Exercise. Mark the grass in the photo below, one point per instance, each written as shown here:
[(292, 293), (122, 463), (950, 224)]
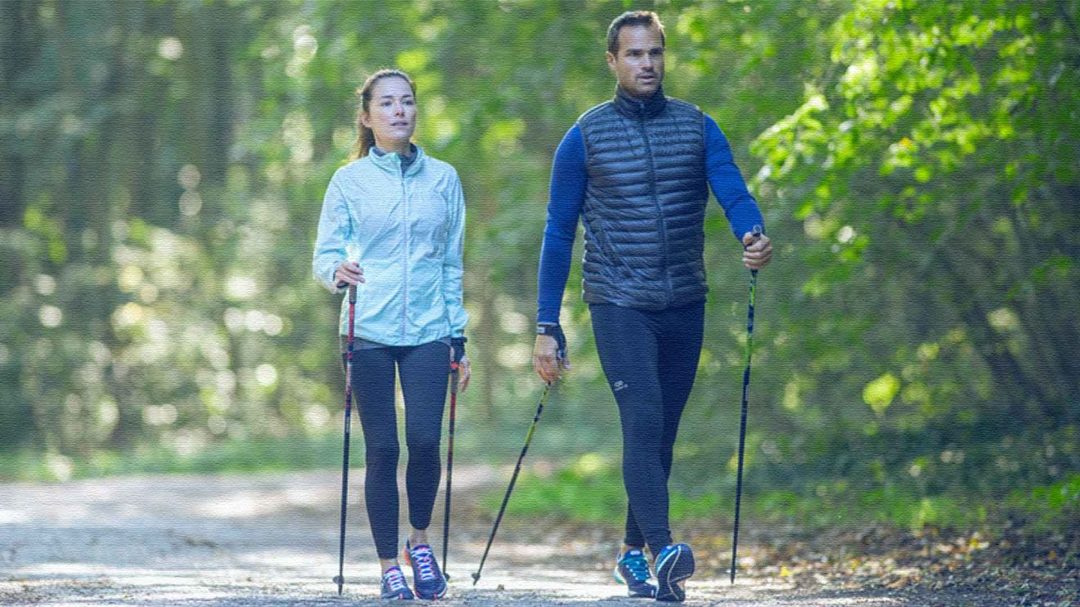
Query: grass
[(590, 489), (261, 455)]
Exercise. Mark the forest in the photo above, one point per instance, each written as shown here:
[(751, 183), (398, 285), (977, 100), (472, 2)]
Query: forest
[(917, 345)]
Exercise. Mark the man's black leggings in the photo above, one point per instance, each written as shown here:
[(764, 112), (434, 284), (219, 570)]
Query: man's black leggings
[(423, 371), (649, 359)]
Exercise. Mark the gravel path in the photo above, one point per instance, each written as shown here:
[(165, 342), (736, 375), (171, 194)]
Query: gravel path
[(271, 539)]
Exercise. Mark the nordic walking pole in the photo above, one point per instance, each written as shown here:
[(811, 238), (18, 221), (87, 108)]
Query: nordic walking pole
[(513, 479), (340, 579), (745, 393), (449, 462)]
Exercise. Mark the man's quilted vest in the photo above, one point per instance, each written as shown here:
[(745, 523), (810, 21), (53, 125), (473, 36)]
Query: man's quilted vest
[(644, 203)]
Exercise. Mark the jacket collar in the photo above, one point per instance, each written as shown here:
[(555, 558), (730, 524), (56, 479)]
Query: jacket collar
[(391, 162), (634, 107)]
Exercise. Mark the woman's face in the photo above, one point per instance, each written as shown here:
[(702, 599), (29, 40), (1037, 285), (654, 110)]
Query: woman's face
[(391, 114)]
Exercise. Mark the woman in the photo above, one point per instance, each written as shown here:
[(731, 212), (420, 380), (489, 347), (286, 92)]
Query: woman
[(400, 215)]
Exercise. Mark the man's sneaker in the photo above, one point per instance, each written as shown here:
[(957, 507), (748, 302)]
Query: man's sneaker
[(674, 565), (632, 569), (394, 586), (428, 580)]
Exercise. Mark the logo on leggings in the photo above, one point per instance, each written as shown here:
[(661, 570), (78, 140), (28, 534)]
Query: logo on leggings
[(619, 385)]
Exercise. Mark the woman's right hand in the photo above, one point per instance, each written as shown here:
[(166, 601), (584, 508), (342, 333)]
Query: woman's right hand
[(348, 273)]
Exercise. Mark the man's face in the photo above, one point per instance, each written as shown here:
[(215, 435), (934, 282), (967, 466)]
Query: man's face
[(639, 63)]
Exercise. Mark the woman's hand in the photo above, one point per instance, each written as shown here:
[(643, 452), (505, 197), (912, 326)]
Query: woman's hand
[(348, 273), (457, 353), (464, 373)]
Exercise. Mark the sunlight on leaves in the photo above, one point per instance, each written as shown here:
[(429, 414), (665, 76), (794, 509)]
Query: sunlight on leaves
[(880, 392)]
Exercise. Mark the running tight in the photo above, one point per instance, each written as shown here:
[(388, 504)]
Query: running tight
[(649, 359), (423, 372)]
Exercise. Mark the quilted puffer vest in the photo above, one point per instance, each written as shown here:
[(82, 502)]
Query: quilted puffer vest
[(645, 202)]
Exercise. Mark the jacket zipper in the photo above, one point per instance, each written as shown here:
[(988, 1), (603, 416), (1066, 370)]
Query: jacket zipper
[(656, 201), (405, 265)]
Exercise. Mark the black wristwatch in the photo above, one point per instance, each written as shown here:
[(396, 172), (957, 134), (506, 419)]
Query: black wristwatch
[(553, 329), (458, 344)]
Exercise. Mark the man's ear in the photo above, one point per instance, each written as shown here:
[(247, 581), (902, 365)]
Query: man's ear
[(610, 60)]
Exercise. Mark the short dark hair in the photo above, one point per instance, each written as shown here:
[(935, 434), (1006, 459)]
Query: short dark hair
[(630, 18)]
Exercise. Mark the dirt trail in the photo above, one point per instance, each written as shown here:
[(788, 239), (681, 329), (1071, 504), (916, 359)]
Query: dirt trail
[(271, 539)]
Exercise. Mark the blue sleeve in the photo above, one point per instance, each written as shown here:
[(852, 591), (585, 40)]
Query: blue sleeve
[(727, 183), (568, 179)]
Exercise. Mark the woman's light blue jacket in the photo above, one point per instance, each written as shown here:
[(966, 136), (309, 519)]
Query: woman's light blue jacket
[(406, 232)]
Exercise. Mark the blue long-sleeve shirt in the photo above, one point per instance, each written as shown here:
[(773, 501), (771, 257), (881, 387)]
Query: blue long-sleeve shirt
[(568, 182)]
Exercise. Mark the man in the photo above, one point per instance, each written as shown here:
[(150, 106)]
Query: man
[(636, 170)]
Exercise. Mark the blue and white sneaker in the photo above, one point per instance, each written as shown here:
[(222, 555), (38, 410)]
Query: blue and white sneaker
[(674, 565), (394, 586), (632, 569), (428, 580)]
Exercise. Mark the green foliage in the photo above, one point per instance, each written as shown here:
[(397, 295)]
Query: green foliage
[(162, 166), (234, 456), (590, 490), (1050, 505)]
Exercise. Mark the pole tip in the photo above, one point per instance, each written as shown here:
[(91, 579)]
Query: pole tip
[(475, 578)]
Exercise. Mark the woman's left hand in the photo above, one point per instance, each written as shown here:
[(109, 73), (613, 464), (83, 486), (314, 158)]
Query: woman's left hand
[(464, 373)]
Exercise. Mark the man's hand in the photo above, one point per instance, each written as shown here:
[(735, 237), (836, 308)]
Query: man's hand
[(348, 273), (757, 250), (546, 360)]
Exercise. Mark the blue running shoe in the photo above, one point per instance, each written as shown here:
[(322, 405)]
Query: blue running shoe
[(394, 586), (674, 565), (632, 569), (428, 580)]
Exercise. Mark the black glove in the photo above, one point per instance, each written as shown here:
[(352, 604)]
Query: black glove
[(554, 330), (458, 345)]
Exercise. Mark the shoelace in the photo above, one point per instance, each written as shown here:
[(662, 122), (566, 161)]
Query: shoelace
[(395, 579), (638, 566), (424, 562)]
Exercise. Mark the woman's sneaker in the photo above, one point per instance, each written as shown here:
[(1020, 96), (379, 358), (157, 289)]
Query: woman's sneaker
[(632, 569), (394, 586), (428, 580), (674, 565)]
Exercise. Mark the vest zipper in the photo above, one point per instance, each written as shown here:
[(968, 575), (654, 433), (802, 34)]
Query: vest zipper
[(656, 201)]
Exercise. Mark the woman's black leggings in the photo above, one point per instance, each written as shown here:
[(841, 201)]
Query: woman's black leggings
[(423, 371), (649, 359)]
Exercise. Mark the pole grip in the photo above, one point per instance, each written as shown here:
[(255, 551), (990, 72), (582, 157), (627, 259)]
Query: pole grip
[(352, 294)]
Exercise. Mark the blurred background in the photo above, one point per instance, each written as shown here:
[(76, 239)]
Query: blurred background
[(162, 167)]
